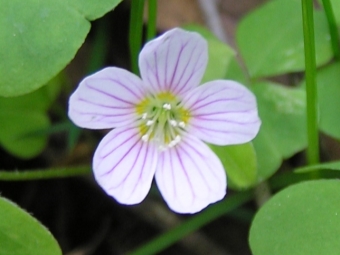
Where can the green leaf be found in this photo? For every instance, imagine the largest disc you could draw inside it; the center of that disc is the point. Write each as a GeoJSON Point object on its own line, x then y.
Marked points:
{"type": "Point", "coordinates": [220, 54]}
{"type": "Point", "coordinates": [92, 9]}
{"type": "Point", "coordinates": [236, 73]}
{"type": "Point", "coordinates": [18, 132]}
{"type": "Point", "coordinates": [39, 100]}
{"type": "Point", "coordinates": [20, 233]}
{"type": "Point", "coordinates": [336, 9]}
{"type": "Point", "coordinates": [282, 134]}
{"type": "Point", "coordinates": [271, 39]}
{"type": "Point", "coordinates": [335, 165]}
{"type": "Point", "coordinates": [302, 219]}
{"type": "Point", "coordinates": [329, 103]}
{"type": "Point", "coordinates": [239, 161]}
{"type": "Point", "coordinates": [38, 38]}
{"type": "Point", "coordinates": [22, 117]}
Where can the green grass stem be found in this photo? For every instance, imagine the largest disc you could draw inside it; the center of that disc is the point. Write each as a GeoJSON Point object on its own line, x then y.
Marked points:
{"type": "Point", "coordinates": [136, 32]}
{"type": "Point", "coordinates": [152, 18]}
{"type": "Point", "coordinates": [311, 88]}
{"type": "Point", "coordinates": [213, 212]}
{"type": "Point", "coordinates": [333, 29]}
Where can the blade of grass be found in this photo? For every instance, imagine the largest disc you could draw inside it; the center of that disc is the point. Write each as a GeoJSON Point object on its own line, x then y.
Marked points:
{"type": "Point", "coordinates": [152, 17]}
{"type": "Point", "coordinates": [135, 32]}
{"type": "Point", "coordinates": [99, 48]}
{"type": "Point", "coordinates": [333, 29]}
{"type": "Point", "coordinates": [214, 211]}
{"type": "Point", "coordinates": [311, 90]}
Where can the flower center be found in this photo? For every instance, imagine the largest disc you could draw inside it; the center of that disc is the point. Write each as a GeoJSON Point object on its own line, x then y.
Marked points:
{"type": "Point", "coordinates": [162, 120]}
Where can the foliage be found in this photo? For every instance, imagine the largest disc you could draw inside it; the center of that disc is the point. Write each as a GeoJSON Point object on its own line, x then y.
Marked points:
{"type": "Point", "coordinates": [20, 233]}
{"type": "Point", "coordinates": [39, 38]}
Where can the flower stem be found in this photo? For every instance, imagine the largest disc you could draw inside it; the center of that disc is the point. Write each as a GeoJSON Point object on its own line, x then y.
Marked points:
{"type": "Point", "coordinates": [152, 17]}
{"type": "Point", "coordinates": [327, 5]}
{"type": "Point", "coordinates": [162, 242]}
{"type": "Point", "coordinates": [40, 174]}
{"type": "Point", "coordinates": [311, 89]}
{"type": "Point", "coordinates": [135, 33]}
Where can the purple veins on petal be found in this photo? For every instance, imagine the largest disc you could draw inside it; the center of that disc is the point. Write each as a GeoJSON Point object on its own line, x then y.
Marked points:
{"type": "Point", "coordinates": [192, 68]}
{"type": "Point", "coordinates": [106, 99]}
{"type": "Point", "coordinates": [190, 176]}
{"type": "Point", "coordinates": [124, 165]}
{"type": "Point", "coordinates": [222, 113]}
{"type": "Point", "coordinates": [174, 62]}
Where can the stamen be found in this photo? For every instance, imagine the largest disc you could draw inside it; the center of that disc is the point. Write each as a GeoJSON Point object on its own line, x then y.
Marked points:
{"type": "Point", "coordinates": [181, 124]}
{"type": "Point", "coordinates": [177, 138]}
{"type": "Point", "coordinates": [167, 106]}
{"type": "Point", "coordinates": [145, 138]}
{"type": "Point", "coordinates": [149, 122]}
{"type": "Point", "coordinates": [173, 123]}
{"type": "Point", "coordinates": [175, 141]}
{"type": "Point", "coordinates": [162, 121]}
{"type": "Point", "coordinates": [172, 144]}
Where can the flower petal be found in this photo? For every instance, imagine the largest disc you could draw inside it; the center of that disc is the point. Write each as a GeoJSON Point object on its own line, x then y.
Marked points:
{"type": "Point", "coordinates": [106, 99]}
{"type": "Point", "coordinates": [190, 176]}
{"type": "Point", "coordinates": [124, 165]}
{"type": "Point", "coordinates": [174, 62]}
{"type": "Point", "coordinates": [223, 113]}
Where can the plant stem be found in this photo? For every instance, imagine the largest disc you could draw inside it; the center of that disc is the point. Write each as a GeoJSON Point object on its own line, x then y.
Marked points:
{"type": "Point", "coordinates": [262, 193]}
{"type": "Point", "coordinates": [152, 18]}
{"type": "Point", "coordinates": [99, 48]}
{"type": "Point", "coordinates": [333, 30]}
{"type": "Point", "coordinates": [135, 33]}
{"type": "Point", "coordinates": [40, 174]}
{"type": "Point", "coordinates": [311, 89]}
{"type": "Point", "coordinates": [214, 211]}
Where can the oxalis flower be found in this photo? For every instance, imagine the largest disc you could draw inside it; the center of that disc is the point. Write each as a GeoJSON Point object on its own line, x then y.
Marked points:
{"type": "Point", "coordinates": [161, 121]}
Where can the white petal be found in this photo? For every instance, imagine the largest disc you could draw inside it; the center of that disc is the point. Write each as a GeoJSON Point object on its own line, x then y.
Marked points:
{"type": "Point", "coordinates": [223, 113]}
{"type": "Point", "coordinates": [106, 99]}
{"type": "Point", "coordinates": [190, 176]}
{"type": "Point", "coordinates": [175, 61]}
{"type": "Point", "coordinates": [124, 165]}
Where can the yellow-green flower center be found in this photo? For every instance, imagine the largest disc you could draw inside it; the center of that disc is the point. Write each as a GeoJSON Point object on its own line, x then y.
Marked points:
{"type": "Point", "coordinates": [162, 120]}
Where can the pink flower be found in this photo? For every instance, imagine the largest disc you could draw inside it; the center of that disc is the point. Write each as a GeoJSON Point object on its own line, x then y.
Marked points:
{"type": "Point", "coordinates": [161, 121]}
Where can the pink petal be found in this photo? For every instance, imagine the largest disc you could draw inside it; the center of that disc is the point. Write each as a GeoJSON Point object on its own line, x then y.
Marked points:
{"type": "Point", "coordinates": [190, 176]}
{"type": "Point", "coordinates": [106, 99]}
{"type": "Point", "coordinates": [223, 113]}
{"type": "Point", "coordinates": [175, 61]}
{"type": "Point", "coordinates": [124, 165]}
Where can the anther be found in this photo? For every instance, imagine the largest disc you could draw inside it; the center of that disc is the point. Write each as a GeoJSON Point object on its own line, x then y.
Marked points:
{"type": "Point", "coordinates": [177, 138]}
{"type": "Point", "coordinates": [149, 122]}
{"type": "Point", "coordinates": [167, 106]}
{"type": "Point", "coordinates": [181, 124]}
{"type": "Point", "coordinates": [144, 116]}
{"type": "Point", "coordinates": [173, 123]}
{"type": "Point", "coordinates": [172, 144]}
{"type": "Point", "coordinates": [175, 141]}
{"type": "Point", "coordinates": [145, 138]}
